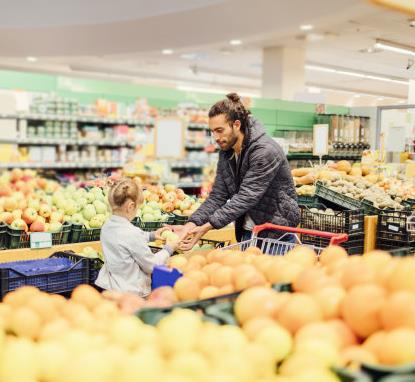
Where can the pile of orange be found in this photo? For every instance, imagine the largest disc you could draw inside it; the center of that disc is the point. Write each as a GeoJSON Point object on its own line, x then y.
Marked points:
{"type": "Point", "coordinates": [222, 272]}
{"type": "Point", "coordinates": [364, 306]}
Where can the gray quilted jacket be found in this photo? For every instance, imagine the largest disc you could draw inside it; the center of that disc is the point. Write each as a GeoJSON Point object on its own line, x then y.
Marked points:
{"type": "Point", "coordinates": [259, 184]}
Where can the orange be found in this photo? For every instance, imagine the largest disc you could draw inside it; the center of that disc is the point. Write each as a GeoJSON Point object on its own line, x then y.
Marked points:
{"type": "Point", "coordinates": [200, 277]}
{"type": "Point", "coordinates": [312, 279]}
{"type": "Point", "coordinates": [331, 254]}
{"type": "Point", "coordinates": [20, 296]}
{"type": "Point", "coordinates": [198, 259]}
{"type": "Point", "coordinates": [361, 307]}
{"type": "Point", "coordinates": [398, 347]}
{"type": "Point", "coordinates": [354, 356]}
{"type": "Point", "coordinates": [399, 310]}
{"type": "Point", "coordinates": [222, 276]}
{"type": "Point", "coordinates": [87, 296]}
{"type": "Point", "coordinates": [254, 250]}
{"type": "Point", "coordinates": [402, 276]}
{"type": "Point", "coordinates": [357, 272]}
{"type": "Point", "coordinates": [321, 331]}
{"type": "Point", "coordinates": [299, 311]}
{"type": "Point", "coordinates": [329, 299]}
{"type": "Point", "coordinates": [248, 279]}
{"type": "Point", "coordinates": [375, 342]}
{"type": "Point", "coordinates": [233, 259]}
{"type": "Point", "coordinates": [348, 338]}
{"type": "Point", "coordinates": [255, 302]}
{"type": "Point", "coordinates": [186, 289]}
{"type": "Point", "coordinates": [303, 255]}
{"type": "Point", "coordinates": [208, 292]}
{"type": "Point", "coordinates": [44, 306]}
{"type": "Point", "coordinates": [178, 262]}
{"type": "Point", "coordinates": [283, 272]}
{"type": "Point", "coordinates": [209, 269]}
{"type": "Point", "coordinates": [253, 326]}
{"type": "Point", "coordinates": [24, 322]}
{"type": "Point", "coordinates": [226, 289]}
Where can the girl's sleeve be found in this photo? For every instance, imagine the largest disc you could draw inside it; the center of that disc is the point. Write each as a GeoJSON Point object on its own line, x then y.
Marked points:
{"type": "Point", "coordinates": [143, 256]}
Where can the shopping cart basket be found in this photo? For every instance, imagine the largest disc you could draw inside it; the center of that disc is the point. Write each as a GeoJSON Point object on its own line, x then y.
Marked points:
{"type": "Point", "coordinates": [283, 244]}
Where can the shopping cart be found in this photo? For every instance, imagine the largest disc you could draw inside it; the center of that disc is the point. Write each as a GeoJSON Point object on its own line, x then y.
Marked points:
{"type": "Point", "coordinates": [288, 240]}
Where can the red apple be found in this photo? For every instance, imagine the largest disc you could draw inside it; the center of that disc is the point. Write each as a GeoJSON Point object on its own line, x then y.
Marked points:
{"type": "Point", "coordinates": [17, 214]}
{"type": "Point", "coordinates": [168, 207]}
{"type": "Point", "coordinates": [37, 226]}
{"type": "Point", "coordinates": [41, 182]}
{"type": "Point", "coordinates": [10, 204]}
{"type": "Point", "coordinates": [6, 217]}
{"type": "Point", "coordinates": [19, 224]}
{"type": "Point", "coordinates": [45, 210]}
{"type": "Point", "coordinates": [29, 215]}
{"type": "Point", "coordinates": [56, 217]}
{"type": "Point", "coordinates": [16, 174]}
{"type": "Point", "coordinates": [40, 219]}
{"type": "Point", "coordinates": [170, 197]}
{"type": "Point", "coordinates": [5, 190]}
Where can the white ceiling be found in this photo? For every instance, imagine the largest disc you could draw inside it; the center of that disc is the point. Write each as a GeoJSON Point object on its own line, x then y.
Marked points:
{"type": "Point", "coordinates": [125, 42]}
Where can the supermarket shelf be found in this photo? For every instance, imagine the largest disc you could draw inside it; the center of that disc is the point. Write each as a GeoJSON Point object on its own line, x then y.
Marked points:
{"type": "Point", "coordinates": [189, 184]}
{"type": "Point", "coordinates": [188, 165]}
{"type": "Point", "coordinates": [198, 126]}
{"type": "Point", "coordinates": [65, 141]}
{"type": "Point", "coordinates": [333, 156]}
{"type": "Point", "coordinates": [56, 165]}
{"type": "Point", "coordinates": [190, 146]}
{"type": "Point", "coordinates": [77, 118]}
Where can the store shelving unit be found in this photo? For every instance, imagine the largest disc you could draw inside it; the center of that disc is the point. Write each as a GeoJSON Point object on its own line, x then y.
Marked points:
{"type": "Point", "coordinates": [63, 166]}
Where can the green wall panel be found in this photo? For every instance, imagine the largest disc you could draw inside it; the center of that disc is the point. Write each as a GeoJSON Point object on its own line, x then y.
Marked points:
{"type": "Point", "coordinates": [274, 114]}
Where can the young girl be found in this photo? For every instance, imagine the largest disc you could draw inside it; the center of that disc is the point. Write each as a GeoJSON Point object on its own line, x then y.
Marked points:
{"type": "Point", "coordinates": [129, 261]}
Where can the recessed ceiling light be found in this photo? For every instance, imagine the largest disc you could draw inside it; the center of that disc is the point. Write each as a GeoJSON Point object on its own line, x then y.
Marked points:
{"type": "Point", "coordinates": [402, 101]}
{"type": "Point", "coordinates": [31, 59]}
{"type": "Point", "coordinates": [235, 42]}
{"type": "Point", "coordinates": [380, 98]}
{"type": "Point", "coordinates": [356, 96]}
{"type": "Point", "coordinates": [167, 51]}
{"type": "Point", "coordinates": [306, 27]}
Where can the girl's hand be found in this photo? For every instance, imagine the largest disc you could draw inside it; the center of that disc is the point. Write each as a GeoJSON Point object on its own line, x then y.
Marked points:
{"type": "Point", "coordinates": [160, 231]}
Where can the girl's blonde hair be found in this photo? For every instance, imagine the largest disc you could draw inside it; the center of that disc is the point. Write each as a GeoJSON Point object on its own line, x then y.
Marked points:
{"type": "Point", "coordinates": [122, 190]}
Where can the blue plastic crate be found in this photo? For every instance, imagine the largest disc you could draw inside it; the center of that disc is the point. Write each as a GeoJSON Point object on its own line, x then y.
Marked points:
{"type": "Point", "coordinates": [163, 276]}
{"type": "Point", "coordinates": [60, 273]}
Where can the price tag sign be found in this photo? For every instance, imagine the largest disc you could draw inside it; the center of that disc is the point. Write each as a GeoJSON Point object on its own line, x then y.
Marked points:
{"type": "Point", "coordinates": [40, 240]}
{"type": "Point", "coordinates": [320, 140]}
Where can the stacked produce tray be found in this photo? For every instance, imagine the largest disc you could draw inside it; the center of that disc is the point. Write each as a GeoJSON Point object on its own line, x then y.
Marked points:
{"type": "Point", "coordinates": [82, 234]}
{"type": "Point", "coordinates": [3, 236]}
{"type": "Point", "coordinates": [153, 225]}
{"type": "Point", "coordinates": [305, 200]}
{"type": "Point", "coordinates": [336, 198]}
{"type": "Point", "coordinates": [347, 221]}
{"type": "Point", "coordinates": [60, 273]}
{"type": "Point", "coordinates": [392, 231]}
{"type": "Point", "coordinates": [15, 239]}
{"type": "Point", "coordinates": [152, 316]}
{"type": "Point", "coordinates": [180, 219]}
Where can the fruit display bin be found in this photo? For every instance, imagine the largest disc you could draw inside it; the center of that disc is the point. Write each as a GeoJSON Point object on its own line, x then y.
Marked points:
{"type": "Point", "coordinates": [336, 198]}
{"type": "Point", "coordinates": [152, 226]}
{"type": "Point", "coordinates": [59, 273]}
{"type": "Point", "coordinates": [306, 200]}
{"type": "Point", "coordinates": [80, 234]}
{"type": "Point", "coordinates": [94, 264]}
{"type": "Point", "coordinates": [392, 230]}
{"type": "Point", "coordinates": [383, 373]}
{"type": "Point", "coordinates": [180, 219]}
{"type": "Point", "coordinates": [16, 239]}
{"type": "Point", "coordinates": [347, 221]}
{"type": "Point", "coordinates": [3, 236]}
{"type": "Point", "coordinates": [152, 316]}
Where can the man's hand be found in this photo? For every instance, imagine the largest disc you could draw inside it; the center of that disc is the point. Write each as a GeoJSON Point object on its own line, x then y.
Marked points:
{"type": "Point", "coordinates": [193, 236]}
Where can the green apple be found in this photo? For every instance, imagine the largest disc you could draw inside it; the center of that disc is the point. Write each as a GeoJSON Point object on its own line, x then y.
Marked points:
{"type": "Point", "coordinates": [148, 217]}
{"type": "Point", "coordinates": [90, 197]}
{"type": "Point", "coordinates": [154, 205]}
{"type": "Point", "coordinates": [82, 202]}
{"type": "Point", "coordinates": [147, 210]}
{"type": "Point", "coordinates": [89, 212]}
{"type": "Point", "coordinates": [55, 227]}
{"type": "Point", "coordinates": [77, 219]}
{"type": "Point", "coordinates": [71, 189]}
{"type": "Point", "coordinates": [170, 187]}
{"type": "Point", "coordinates": [70, 207]}
{"type": "Point", "coordinates": [90, 252]}
{"type": "Point", "coordinates": [100, 207]}
{"type": "Point", "coordinates": [169, 235]}
{"type": "Point", "coordinates": [96, 222]}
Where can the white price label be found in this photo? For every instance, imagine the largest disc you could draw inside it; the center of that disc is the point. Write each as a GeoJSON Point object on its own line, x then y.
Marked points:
{"type": "Point", "coordinates": [40, 240]}
{"type": "Point", "coordinates": [393, 228]}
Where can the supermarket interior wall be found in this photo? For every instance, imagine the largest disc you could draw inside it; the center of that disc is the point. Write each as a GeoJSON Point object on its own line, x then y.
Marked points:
{"type": "Point", "coordinates": [276, 115]}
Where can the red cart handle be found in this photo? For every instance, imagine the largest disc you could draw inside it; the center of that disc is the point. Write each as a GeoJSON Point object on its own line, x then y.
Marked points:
{"type": "Point", "coordinates": [335, 238]}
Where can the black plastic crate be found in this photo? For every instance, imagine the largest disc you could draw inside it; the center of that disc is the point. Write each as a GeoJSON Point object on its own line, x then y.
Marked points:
{"type": "Point", "coordinates": [409, 203]}
{"type": "Point", "coordinates": [392, 229]}
{"type": "Point", "coordinates": [306, 200]}
{"type": "Point", "coordinates": [152, 226]}
{"type": "Point", "coordinates": [370, 209]}
{"type": "Point", "coordinates": [3, 236]}
{"type": "Point", "coordinates": [336, 198]}
{"type": "Point", "coordinates": [180, 219]}
{"type": "Point", "coordinates": [21, 239]}
{"type": "Point", "coordinates": [81, 234]}
{"type": "Point", "coordinates": [348, 221]}
{"type": "Point", "coordinates": [62, 281]}
{"type": "Point", "coordinates": [94, 264]}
